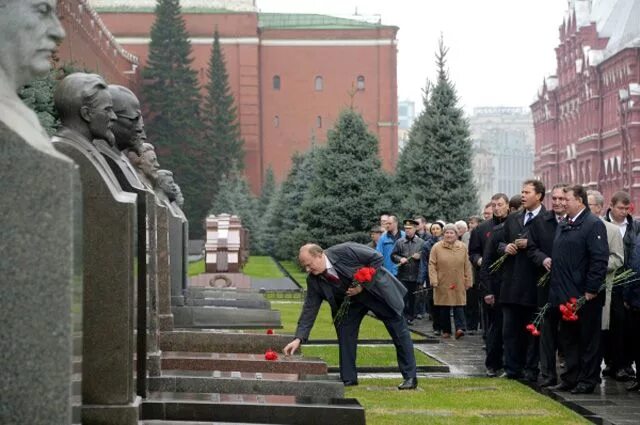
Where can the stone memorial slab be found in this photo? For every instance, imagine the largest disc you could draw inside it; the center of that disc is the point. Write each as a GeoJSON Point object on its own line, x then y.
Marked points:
{"type": "Point", "coordinates": [243, 383]}
{"type": "Point", "coordinates": [226, 248]}
{"type": "Point", "coordinates": [225, 317]}
{"type": "Point", "coordinates": [253, 408]}
{"type": "Point", "coordinates": [242, 362]}
{"type": "Point", "coordinates": [220, 341]}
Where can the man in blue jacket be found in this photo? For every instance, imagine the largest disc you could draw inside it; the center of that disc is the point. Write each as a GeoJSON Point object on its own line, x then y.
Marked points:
{"type": "Point", "coordinates": [387, 242]}
{"type": "Point", "coordinates": [580, 255]}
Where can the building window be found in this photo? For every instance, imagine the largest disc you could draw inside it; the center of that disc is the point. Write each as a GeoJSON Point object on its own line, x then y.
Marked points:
{"type": "Point", "coordinates": [319, 121]}
{"type": "Point", "coordinates": [319, 83]}
{"type": "Point", "coordinates": [276, 82]}
{"type": "Point", "coordinates": [276, 121]}
{"type": "Point", "coordinates": [360, 82]}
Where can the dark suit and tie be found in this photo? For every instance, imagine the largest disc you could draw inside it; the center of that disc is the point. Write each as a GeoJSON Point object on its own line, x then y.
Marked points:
{"type": "Point", "coordinates": [384, 297]}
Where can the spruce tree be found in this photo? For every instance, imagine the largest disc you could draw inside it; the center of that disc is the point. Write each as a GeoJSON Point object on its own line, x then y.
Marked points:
{"type": "Point", "coordinates": [222, 133]}
{"type": "Point", "coordinates": [268, 191]}
{"type": "Point", "coordinates": [343, 200]}
{"type": "Point", "coordinates": [434, 171]}
{"type": "Point", "coordinates": [285, 222]}
{"type": "Point", "coordinates": [173, 100]}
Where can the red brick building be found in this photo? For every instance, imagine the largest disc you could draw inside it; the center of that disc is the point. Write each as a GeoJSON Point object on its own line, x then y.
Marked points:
{"type": "Point", "coordinates": [291, 74]}
{"type": "Point", "coordinates": [587, 116]}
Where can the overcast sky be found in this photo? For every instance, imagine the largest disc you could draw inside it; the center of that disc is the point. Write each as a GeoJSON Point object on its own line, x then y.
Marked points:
{"type": "Point", "coordinates": [500, 50]}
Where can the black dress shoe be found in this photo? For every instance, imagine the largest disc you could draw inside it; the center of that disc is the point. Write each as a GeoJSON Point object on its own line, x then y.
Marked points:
{"type": "Point", "coordinates": [622, 376]}
{"type": "Point", "coordinates": [583, 389]}
{"type": "Point", "coordinates": [549, 382]}
{"type": "Point", "coordinates": [562, 386]}
{"type": "Point", "coordinates": [350, 383]}
{"type": "Point", "coordinates": [607, 371]}
{"type": "Point", "coordinates": [409, 384]}
{"type": "Point", "coordinates": [491, 373]}
{"type": "Point", "coordinates": [634, 386]}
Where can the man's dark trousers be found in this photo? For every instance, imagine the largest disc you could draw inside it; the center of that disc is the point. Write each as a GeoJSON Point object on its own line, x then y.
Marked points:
{"type": "Point", "coordinates": [348, 335]}
{"type": "Point", "coordinates": [410, 299]}
{"type": "Point", "coordinates": [521, 352]}
{"type": "Point", "coordinates": [549, 344]}
{"type": "Point", "coordinates": [494, 337]}
{"type": "Point", "coordinates": [581, 345]}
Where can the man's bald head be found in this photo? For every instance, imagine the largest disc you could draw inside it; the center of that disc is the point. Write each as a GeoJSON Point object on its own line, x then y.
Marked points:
{"type": "Point", "coordinates": [311, 257]}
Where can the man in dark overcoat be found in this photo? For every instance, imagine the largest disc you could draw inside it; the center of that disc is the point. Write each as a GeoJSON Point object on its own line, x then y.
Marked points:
{"type": "Point", "coordinates": [541, 235]}
{"type": "Point", "coordinates": [518, 293]}
{"type": "Point", "coordinates": [580, 257]}
{"type": "Point", "coordinates": [330, 279]}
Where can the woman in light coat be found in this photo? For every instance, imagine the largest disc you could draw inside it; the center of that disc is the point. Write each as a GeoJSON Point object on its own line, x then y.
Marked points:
{"type": "Point", "coordinates": [450, 276]}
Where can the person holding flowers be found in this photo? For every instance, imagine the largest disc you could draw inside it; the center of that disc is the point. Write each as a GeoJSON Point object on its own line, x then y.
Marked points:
{"type": "Point", "coordinates": [579, 266]}
{"type": "Point", "coordinates": [519, 289]}
{"type": "Point", "coordinates": [352, 279]}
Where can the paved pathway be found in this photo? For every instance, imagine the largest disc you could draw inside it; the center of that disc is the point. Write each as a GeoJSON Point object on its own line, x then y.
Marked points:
{"type": "Point", "coordinates": [610, 404]}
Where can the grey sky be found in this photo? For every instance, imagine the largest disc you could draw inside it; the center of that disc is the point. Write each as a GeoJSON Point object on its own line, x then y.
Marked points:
{"type": "Point", "coordinates": [499, 49]}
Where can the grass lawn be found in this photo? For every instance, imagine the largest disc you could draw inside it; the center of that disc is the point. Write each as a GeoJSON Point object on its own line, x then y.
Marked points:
{"type": "Point", "coordinates": [459, 401]}
{"type": "Point", "coordinates": [294, 270]}
{"type": "Point", "coordinates": [380, 356]}
{"type": "Point", "coordinates": [323, 328]}
{"type": "Point", "coordinates": [261, 267]}
{"type": "Point", "coordinates": [196, 268]}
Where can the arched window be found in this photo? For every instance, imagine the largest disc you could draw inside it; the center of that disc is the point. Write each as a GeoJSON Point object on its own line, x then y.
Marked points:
{"type": "Point", "coordinates": [319, 121]}
{"type": "Point", "coordinates": [276, 121]}
{"type": "Point", "coordinates": [319, 83]}
{"type": "Point", "coordinates": [360, 82]}
{"type": "Point", "coordinates": [276, 82]}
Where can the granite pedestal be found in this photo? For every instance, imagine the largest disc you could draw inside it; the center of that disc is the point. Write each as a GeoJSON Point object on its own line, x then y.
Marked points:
{"type": "Point", "coordinates": [224, 317]}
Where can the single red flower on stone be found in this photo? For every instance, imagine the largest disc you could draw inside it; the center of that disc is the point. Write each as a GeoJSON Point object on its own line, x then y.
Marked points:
{"type": "Point", "coordinates": [271, 355]}
{"type": "Point", "coordinates": [269, 331]}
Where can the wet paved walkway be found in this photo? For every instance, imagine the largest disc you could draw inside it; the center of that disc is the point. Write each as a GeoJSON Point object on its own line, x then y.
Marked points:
{"type": "Point", "coordinates": [610, 404]}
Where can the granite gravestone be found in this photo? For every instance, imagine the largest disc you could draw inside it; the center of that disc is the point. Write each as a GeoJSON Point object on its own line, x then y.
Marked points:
{"type": "Point", "coordinates": [36, 222]}
{"type": "Point", "coordinates": [128, 131]}
{"type": "Point", "coordinates": [146, 165]}
{"type": "Point", "coordinates": [109, 225]}
{"type": "Point", "coordinates": [177, 248]}
{"type": "Point", "coordinates": [165, 315]}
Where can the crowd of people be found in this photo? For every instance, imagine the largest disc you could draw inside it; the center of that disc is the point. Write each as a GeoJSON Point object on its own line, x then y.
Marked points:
{"type": "Point", "coordinates": [547, 288]}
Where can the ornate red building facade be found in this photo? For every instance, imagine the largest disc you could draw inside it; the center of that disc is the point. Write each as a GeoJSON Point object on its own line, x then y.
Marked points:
{"type": "Point", "coordinates": [587, 116]}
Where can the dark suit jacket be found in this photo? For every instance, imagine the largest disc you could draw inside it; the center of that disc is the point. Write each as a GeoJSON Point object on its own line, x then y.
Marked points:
{"type": "Point", "coordinates": [347, 258]}
{"type": "Point", "coordinates": [580, 258]}
{"type": "Point", "coordinates": [542, 232]}
{"type": "Point", "coordinates": [519, 282]}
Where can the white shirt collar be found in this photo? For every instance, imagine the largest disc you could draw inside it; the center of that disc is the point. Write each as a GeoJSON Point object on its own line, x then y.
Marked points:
{"type": "Point", "coordinates": [330, 268]}
{"type": "Point", "coordinates": [534, 212]}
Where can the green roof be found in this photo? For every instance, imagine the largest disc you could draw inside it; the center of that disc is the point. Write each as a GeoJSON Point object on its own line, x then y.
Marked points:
{"type": "Point", "coordinates": [147, 9]}
{"type": "Point", "coordinates": [310, 21]}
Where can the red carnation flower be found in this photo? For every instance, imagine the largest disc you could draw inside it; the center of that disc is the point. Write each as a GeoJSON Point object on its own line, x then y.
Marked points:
{"type": "Point", "coordinates": [270, 355]}
{"type": "Point", "coordinates": [453, 286]}
{"type": "Point", "coordinates": [535, 332]}
{"type": "Point", "coordinates": [364, 274]}
{"type": "Point", "coordinates": [531, 327]}
{"type": "Point", "coordinates": [573, 300]}
{"type": "Point", "coordinates": [269, 331]}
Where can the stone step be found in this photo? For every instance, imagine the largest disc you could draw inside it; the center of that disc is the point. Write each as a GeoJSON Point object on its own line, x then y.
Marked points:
{"type": "Point", "coordinates": [243, 383]}
{"type": "Point", "coordinates": [220, 341]}
{"type": "Point", "coordinates": [252, 408]}
{"type": "Point", "coordinates": [224, 317]}
{"type": "Point", "coordinates": [242, 362]}
{"type": "Point", "coordinates": [228, 302]}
